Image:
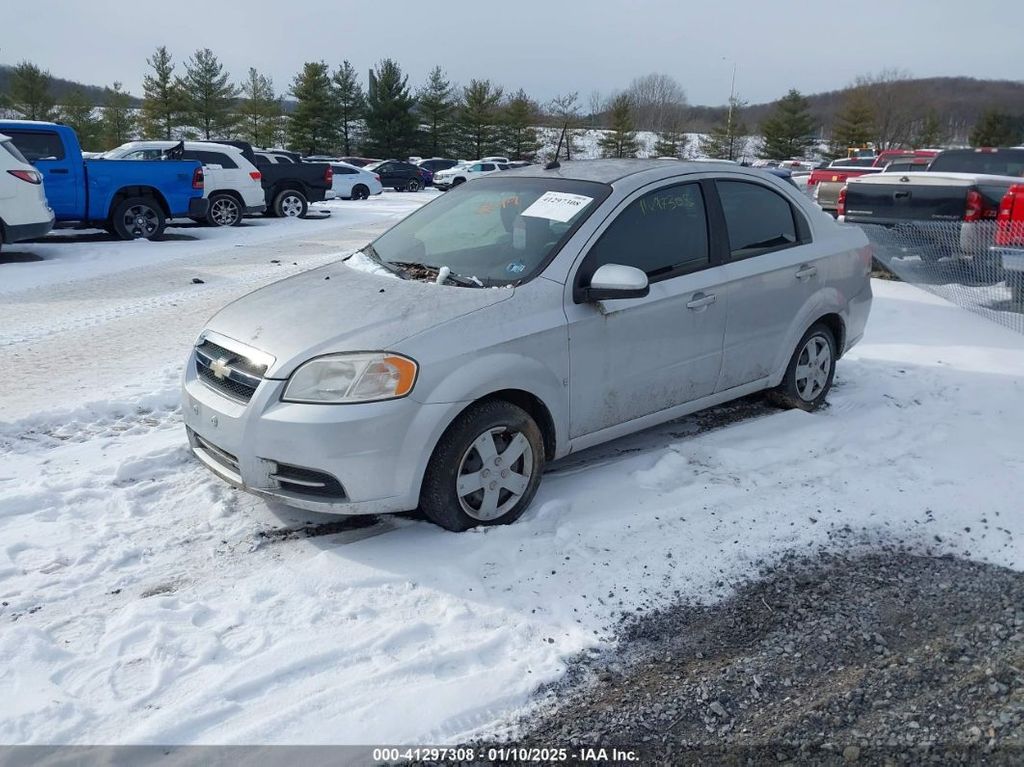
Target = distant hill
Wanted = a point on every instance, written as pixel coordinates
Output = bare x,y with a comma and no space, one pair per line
59,87
957,101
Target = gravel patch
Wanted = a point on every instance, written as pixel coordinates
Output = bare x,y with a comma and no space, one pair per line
888,658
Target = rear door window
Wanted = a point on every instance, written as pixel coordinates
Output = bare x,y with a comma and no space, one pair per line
664,233
758,219
38,145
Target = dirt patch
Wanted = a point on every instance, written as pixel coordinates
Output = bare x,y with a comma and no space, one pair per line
890,658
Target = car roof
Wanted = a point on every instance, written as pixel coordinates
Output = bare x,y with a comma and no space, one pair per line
610,171
189,145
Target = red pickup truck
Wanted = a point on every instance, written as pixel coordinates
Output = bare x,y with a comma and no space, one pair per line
824,184
1009,245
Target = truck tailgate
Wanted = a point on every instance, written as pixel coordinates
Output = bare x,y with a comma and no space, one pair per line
892,197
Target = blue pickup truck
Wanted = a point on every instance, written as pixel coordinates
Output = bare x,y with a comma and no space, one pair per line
129,198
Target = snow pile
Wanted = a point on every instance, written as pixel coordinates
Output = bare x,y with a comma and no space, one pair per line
144,601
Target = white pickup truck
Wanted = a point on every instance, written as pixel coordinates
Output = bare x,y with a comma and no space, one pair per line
446,179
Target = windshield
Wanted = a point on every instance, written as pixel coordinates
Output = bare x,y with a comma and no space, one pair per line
493,231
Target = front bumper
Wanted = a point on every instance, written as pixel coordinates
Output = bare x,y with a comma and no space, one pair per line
1011,258
198,207
375,452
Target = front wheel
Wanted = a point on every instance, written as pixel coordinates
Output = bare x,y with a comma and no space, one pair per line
290,204
810,372
225,210
138,218
413,185
486,468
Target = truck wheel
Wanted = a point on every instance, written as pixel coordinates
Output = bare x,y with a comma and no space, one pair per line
810,372
485,469
360,192
138,218
413,185
225,210
290,204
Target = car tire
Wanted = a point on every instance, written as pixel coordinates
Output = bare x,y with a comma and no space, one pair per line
360,192
458,181
138,218
290,204
413,185
225,210
810,372
470,453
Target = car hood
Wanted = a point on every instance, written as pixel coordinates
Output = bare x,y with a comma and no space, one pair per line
337,308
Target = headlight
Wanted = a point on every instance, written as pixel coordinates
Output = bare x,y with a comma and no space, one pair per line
345,378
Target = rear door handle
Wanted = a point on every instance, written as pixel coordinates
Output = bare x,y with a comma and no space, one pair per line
700,300
805,272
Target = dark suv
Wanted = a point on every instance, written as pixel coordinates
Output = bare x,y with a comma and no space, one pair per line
401,176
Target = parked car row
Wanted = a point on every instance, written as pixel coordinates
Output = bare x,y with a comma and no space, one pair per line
134,189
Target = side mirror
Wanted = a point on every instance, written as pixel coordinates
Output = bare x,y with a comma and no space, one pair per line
613,281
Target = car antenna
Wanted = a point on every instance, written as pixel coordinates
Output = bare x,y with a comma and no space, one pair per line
555,163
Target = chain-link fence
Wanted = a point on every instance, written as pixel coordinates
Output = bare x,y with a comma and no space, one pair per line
954,260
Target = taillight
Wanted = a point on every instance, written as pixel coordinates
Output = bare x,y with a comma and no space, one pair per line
255,175
329,175
841,203
376,176
1009,231
974,206
198,179
31,176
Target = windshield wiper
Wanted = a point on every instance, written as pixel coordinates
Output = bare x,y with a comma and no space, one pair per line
421,271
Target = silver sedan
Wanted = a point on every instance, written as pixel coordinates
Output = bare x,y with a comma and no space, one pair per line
517,319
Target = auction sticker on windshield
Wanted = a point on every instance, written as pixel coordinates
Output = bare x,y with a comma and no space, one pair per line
558,206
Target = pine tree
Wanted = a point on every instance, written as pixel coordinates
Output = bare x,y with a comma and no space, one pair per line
789,131
997,129
30,92
726,140
518,134
478,118
210,95
565,109
436,108
117,125
671,142
390,122
312,127
259,111
77,112
620,140
163,104
349,102
854,124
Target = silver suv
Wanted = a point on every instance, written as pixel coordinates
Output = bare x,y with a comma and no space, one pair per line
517,319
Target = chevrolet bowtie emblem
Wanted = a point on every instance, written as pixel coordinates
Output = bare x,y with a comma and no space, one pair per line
220,368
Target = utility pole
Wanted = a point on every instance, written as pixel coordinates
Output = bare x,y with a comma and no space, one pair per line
732,101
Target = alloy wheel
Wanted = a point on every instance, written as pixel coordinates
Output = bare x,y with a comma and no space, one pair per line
141,221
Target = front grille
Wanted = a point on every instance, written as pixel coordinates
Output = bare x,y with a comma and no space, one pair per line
302,481
232,374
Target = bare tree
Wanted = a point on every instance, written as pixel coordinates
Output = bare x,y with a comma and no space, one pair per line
565,109
659,101
895,104
596,107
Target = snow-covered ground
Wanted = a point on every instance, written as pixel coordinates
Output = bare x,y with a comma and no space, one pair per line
144,601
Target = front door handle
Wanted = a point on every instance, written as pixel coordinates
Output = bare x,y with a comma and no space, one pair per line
58,170
805,272
700,300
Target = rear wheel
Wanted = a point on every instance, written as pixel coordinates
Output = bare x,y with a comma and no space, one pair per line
810,372
138,218
290,204
225,210
360,192
485,469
